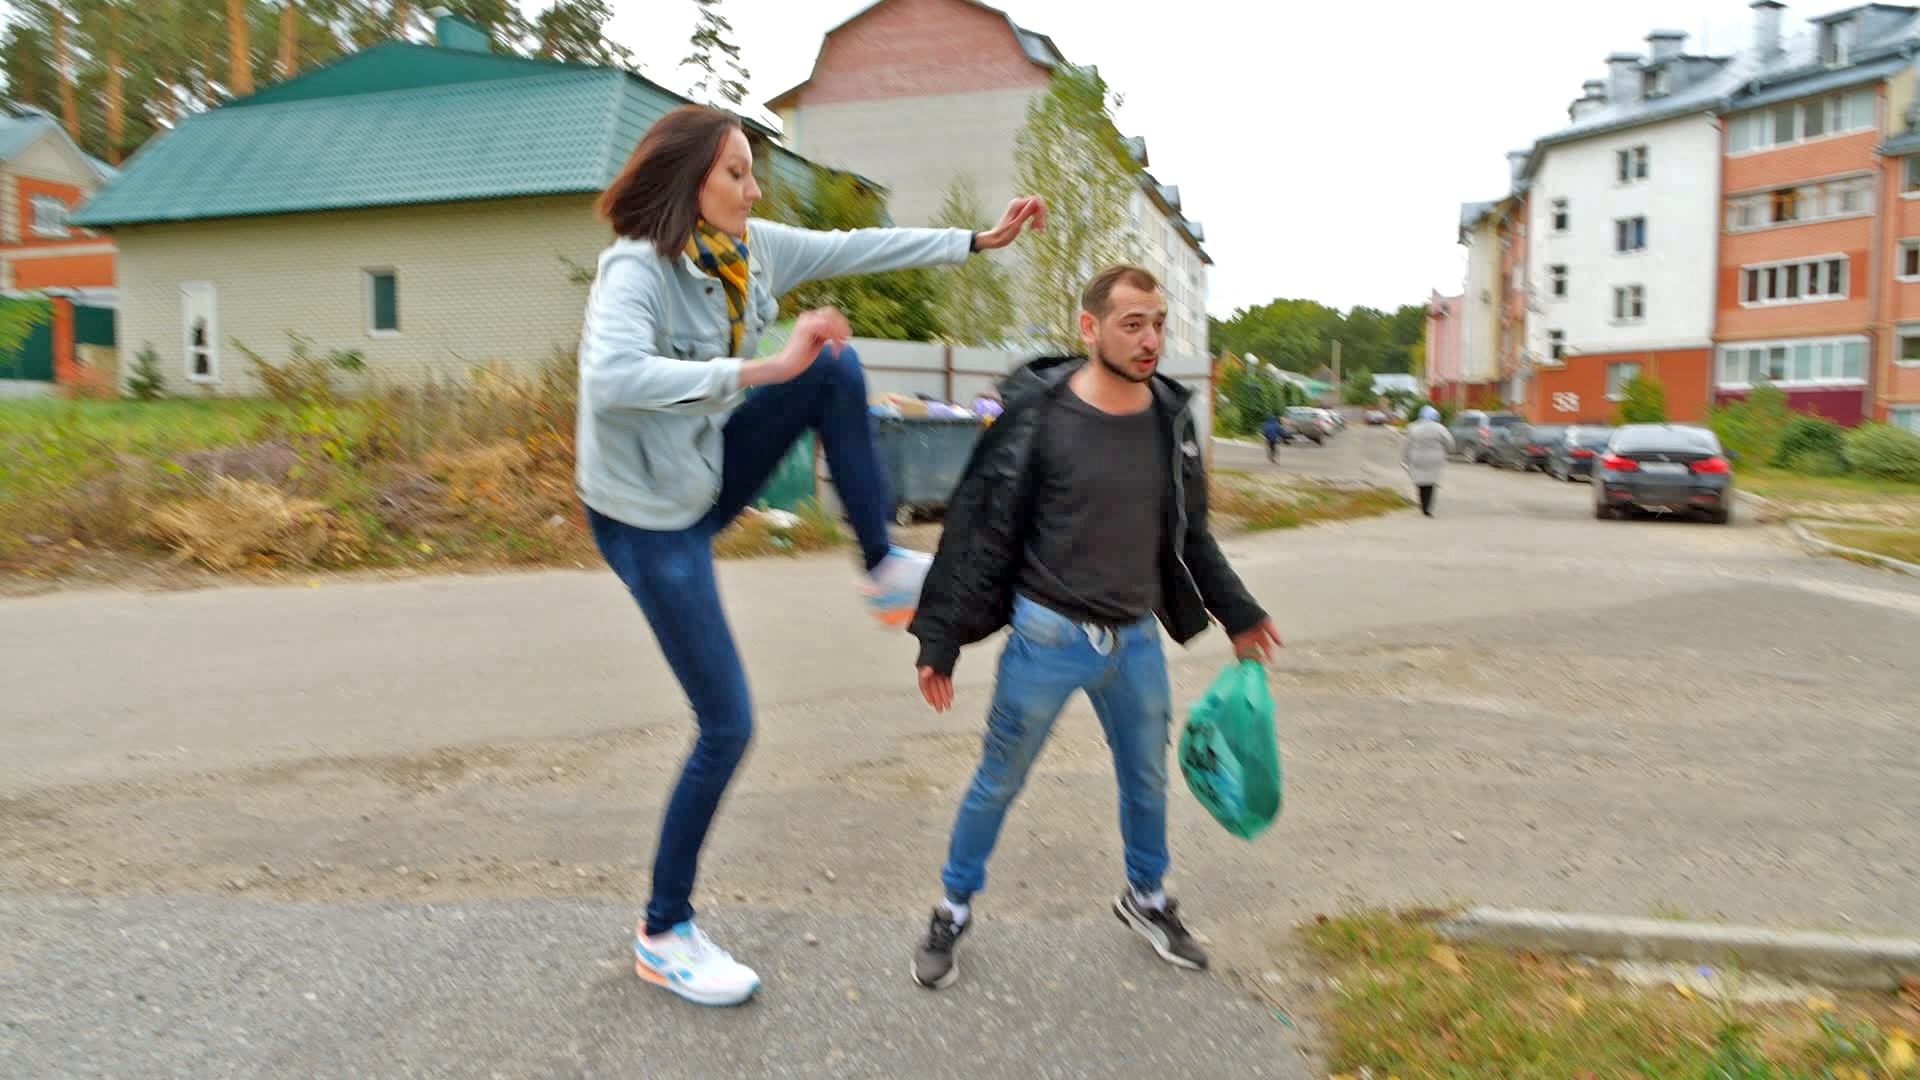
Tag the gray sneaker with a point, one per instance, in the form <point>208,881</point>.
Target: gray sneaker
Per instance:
<point>935,966</point>
<point>1163,930</point>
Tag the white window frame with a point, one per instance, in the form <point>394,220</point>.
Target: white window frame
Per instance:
<point>1557,345</point>
<point>1833,117</point>
<point>367,275</point>
<point>1905,416</point>
<point>1911,188</point>
<point>1622,230</point>
<point>1821,347</point>
<point>1909,246</point>
<point>188,289</point>
<point>1625,299</point>
<point>1629,165</point>
<point>1817,200</point>
<point>1777,278</point>
<point>1902,335</point>
<point>51,203</point>
<point>1559,281</point>
<point>1620,365</point>
<point>1562,211</point>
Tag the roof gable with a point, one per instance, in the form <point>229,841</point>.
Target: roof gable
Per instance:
<point>1036,48</point>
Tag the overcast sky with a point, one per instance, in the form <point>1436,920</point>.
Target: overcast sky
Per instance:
<point>1326,146</point>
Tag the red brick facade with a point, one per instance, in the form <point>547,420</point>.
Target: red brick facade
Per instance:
<point>916,48</point>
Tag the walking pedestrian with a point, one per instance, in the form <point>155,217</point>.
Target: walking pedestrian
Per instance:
<point>1081,516</point>
<point>678,430</point>
<point>1428,445</point>
<point>1274,432</point>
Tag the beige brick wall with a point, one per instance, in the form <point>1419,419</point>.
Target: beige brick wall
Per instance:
<point>479,283</point>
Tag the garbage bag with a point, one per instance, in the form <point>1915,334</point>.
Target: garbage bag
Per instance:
<point>1228,751</point>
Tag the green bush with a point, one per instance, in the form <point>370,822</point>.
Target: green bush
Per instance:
<point>1884,451</point>
<point>147,383</point>
<point>1753,428</point>
<point>1643,402</point>
<point>1809,443</point>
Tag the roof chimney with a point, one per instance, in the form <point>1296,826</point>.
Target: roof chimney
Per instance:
<point>451,31</point>
<point>1623,78</point>
<point>1592,97</point>
<point>1517,165</point>
<point>1666,44</point>
<point>1766,27</point>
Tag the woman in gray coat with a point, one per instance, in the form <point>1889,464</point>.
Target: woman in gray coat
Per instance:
<point>1429,444</point>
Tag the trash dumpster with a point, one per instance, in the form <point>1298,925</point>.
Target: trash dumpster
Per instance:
<point>792,481</point>
<point>923,457</point>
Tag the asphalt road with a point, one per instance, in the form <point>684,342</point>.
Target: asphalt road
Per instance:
<point>1511,703</point>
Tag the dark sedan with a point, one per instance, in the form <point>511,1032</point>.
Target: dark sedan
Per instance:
<point>1573,454</point>
<point>1524,446</point>
<point>1665,468</point>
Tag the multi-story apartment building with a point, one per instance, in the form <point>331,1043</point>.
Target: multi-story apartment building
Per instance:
<point>1798,300</point>
<point>1480,308</point>
<point>914,93</point>
<point>1623,235</point>
<point>1441,369</point>
<point>1896,365</point>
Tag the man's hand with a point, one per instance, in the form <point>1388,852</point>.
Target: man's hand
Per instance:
<point>1030,208</point>
<point>937,689</point>
<point>1257,642</point>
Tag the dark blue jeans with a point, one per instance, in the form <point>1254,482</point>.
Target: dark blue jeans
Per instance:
<point>671,575</point>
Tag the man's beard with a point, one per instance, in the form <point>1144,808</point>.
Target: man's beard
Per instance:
<point>1123,371</point>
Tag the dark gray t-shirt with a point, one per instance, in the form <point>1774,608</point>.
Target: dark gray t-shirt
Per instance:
<point>1100,491</point>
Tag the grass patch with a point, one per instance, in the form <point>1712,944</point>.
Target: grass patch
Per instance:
<point>1902,544</point>
<point>1238,500</point>
<point>757,535</point>
<point>1798,487</point>
<point>1404,1003</point>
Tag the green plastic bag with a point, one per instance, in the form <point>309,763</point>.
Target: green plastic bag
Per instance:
<point>1228,752</point>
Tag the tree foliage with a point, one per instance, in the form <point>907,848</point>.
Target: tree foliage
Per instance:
<point>1358,389</point>
<point>897,305</point>
<point>1248,393</point>
<point>713,50</point>
<point>135,67</point>
<point>1644,401</point>
<point>1070,153</point>
<point>976,298</point>
<point>1298,335</point>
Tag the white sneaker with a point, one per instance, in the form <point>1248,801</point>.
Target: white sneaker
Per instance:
<point>893,588</point>
<point>687,962</point>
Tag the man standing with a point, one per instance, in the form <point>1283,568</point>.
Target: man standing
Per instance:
<point>1273,431</point>
<point>1081,516</point>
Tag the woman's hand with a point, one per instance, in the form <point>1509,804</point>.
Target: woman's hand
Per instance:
<point>822,328</point>
<point>1021,211</point>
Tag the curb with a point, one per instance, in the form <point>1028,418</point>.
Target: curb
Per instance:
<point>1808,538</point>
<point>1828,959</point>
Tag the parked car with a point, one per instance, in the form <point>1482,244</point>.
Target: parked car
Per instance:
<point>1574,452</point>
<point>1307,423</point>
<point>1473,432</point>
<point>1375,418</point>
<point>1665,468</point>
<point>1524,446</point>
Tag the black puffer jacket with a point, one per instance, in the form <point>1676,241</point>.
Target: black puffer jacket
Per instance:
<point>969,591</point>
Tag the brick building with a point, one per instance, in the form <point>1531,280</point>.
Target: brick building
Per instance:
<point>43,176</point>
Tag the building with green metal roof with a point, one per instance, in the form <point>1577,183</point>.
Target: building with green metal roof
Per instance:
<point>429,206</point>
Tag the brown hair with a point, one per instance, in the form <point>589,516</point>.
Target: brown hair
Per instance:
<point>1098,297</point>
<point>656,197</point>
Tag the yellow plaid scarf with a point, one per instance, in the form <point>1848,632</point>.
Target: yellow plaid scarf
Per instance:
<point>725,258</point>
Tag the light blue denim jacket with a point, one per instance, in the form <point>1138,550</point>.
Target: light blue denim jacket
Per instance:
<point>656,383</point>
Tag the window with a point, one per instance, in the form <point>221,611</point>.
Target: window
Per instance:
<point>1905,416</point>
<point>383,302</point>
<point>1618,376</point>
<point>1561,216</point>
<point>1629,303</point>
<point>1557,344</point>
<point>1558,275</point>
<point>1912,185</point>
<point>200,332</point>
<point>1837,41</point>
<point>1909,348</point>
<point>1630,234</point>
<point>1814,118</point>
<point>1910,260</point>
<point>1786,205</point>
<point>49,216</point>
<point>1800,281</point>
<point>1805,362</point>
<point>1630,164</point>
<point>1659,83</point>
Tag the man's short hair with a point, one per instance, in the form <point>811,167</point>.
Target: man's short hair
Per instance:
<point>1097,299</point>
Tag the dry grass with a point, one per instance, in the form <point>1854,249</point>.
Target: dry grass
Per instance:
<point>1237,501</point>
<point>1902,544</point>
<point>239,523</point>
<point>1404,1003</point>
<point>756,535</point>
